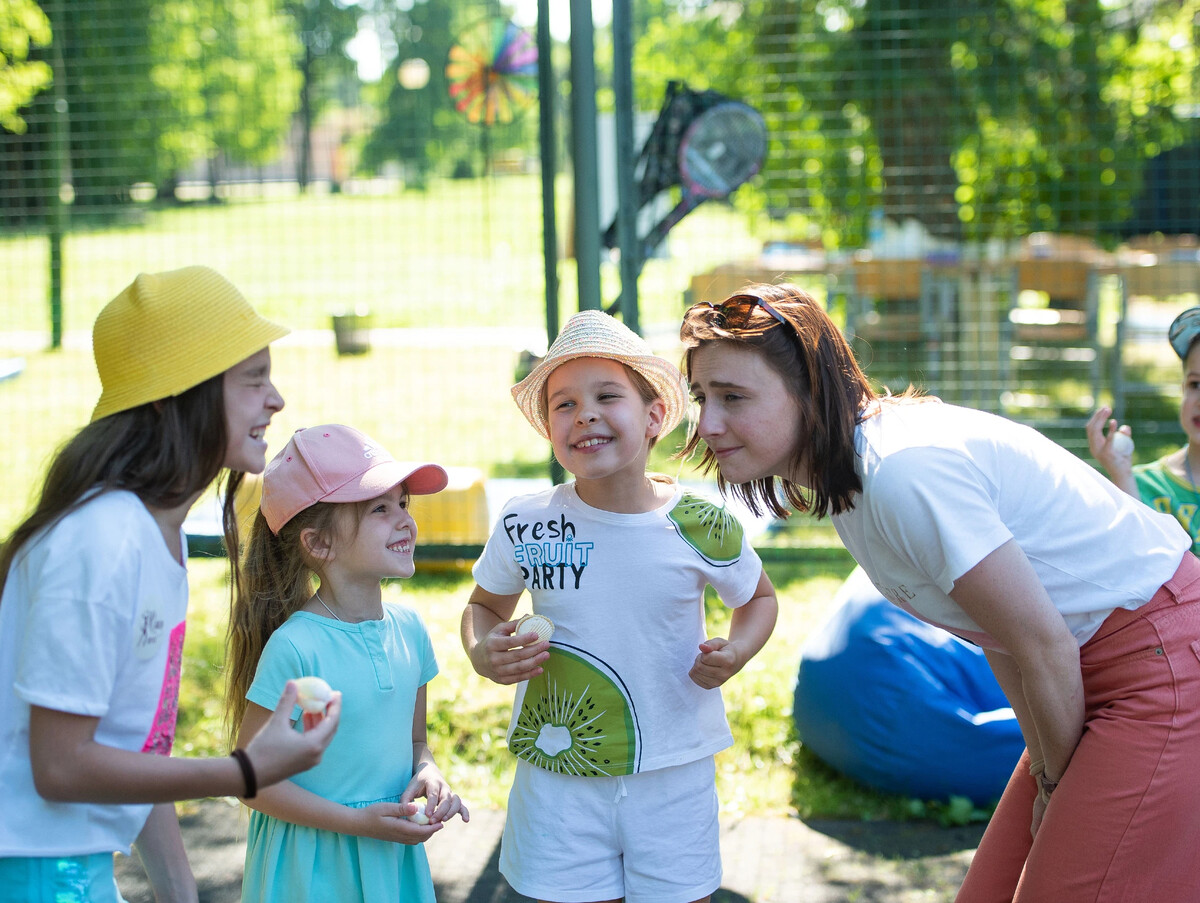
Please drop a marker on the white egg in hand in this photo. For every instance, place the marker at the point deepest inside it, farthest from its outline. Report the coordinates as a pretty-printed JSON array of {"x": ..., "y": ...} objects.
[
  {"x": 1122, "y": 444},
  {"x": 419, "y": 817},
  {"x": 314, "y": 694}
]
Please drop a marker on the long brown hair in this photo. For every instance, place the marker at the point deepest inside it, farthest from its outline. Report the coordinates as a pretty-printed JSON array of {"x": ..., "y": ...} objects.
[
  {"x": 818, "y": 367},
  {"x": 164, "y": 452},
  {"x": 275, "y": 579}
]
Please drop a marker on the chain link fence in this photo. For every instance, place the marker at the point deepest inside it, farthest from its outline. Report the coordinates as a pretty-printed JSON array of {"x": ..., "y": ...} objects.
[{"x": 998, "y": 200}]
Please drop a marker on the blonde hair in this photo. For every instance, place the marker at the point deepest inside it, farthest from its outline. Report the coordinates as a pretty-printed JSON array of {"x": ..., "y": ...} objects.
[{"x": 276, "y": 578}]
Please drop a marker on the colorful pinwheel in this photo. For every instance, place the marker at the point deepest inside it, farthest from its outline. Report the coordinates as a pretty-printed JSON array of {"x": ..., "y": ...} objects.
[{"x": 492, "y": 72}]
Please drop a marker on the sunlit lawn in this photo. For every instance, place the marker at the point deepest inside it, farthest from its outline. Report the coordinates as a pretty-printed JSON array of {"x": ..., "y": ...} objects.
[
  {"x": 434, "y": 258},
  {"x": 442, "y": 259}
]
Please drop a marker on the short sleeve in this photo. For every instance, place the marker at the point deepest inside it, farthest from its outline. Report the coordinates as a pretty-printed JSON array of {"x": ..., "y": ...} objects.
[
  {"x": 76, "y": 676},
  {"x": 80, "y": 625},
  {"x": 497, "y": 569},
  {"x": 935, "y": 509},
  {"x": 280, "y": 662},
  {"x": 736, "y": 585},
  {"x": 425, "y": 653}
]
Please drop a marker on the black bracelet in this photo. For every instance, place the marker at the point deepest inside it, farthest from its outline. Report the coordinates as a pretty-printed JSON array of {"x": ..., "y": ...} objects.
[{"x": 247, "y": 773}]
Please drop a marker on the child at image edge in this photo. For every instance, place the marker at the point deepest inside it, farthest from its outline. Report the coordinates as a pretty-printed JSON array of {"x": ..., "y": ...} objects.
[
  {"x": 335, "y": 506},
  {"x": 95, "y": 595},
  {"x": 618, "y": 717}
]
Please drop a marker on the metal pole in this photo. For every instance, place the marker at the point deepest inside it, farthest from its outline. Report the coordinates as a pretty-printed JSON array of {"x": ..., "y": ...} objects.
[
  {"x": 546, "y": 144},
  {"x": 627, "y": 241},
  {"x": 59, "y": 132},
  {"x": 583, "y": 153}
]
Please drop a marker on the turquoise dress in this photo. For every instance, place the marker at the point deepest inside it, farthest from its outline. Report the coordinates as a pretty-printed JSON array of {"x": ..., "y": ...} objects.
[{"x": 378, "y": 666}]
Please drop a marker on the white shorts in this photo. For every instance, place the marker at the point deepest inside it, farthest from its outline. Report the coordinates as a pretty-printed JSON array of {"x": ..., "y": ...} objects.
[{"x": 647, "y": 838}]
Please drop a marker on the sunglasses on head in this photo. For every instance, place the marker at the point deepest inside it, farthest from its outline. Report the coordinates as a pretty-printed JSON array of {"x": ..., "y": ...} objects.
[{"x": 736, "y": 312}]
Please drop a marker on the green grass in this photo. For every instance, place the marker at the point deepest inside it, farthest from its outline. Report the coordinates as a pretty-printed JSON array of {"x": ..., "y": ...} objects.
[
  {"x": 407, "y": 398},
  {"x": 439, "y": 258},
  {"x": 473, "y": 423}
]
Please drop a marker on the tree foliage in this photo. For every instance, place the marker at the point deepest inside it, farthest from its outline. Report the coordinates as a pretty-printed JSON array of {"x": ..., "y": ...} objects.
[
  {"x": 980, "y": 118},
  {"x": 324, "y": 28},
  {"x": 146, "y": 88},
  {"x": 421, "y": 127},
  {"x": 98, "y": 110},
  {"x": 226, "y": 75},
  {"x": 22, "y": 23}
]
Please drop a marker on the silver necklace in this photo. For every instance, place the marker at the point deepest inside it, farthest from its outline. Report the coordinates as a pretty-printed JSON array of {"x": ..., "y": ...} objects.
[{"x": 332, "y": 613}]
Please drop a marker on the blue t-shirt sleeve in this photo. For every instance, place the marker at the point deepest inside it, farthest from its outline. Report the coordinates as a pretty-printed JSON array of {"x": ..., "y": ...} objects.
[
  {"x": 424, "y": 645},
  {"x": 279, "y": 663}
]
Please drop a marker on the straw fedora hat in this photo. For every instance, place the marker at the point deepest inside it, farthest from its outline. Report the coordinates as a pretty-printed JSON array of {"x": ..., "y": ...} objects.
[
  {"x": 168, "y": 332},
  {"x": 591, "y": 333}
]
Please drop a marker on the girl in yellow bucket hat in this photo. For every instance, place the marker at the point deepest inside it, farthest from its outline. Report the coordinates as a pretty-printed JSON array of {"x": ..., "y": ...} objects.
[{"x": 94, "y": 597}]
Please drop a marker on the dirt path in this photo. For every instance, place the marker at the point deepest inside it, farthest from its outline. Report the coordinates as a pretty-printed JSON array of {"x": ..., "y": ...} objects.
[{"x": 766, "y": 860}]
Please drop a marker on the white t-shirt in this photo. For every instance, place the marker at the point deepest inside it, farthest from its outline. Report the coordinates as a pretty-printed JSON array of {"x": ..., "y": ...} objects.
[
  {"x": 626, "y": 595},
  {"x": 945, "y": 486},
  {"x": 91, "y": 623}
]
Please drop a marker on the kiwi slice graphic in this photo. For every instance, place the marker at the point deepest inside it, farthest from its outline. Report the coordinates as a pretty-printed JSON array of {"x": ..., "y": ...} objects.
[
  {"x": 577, "y": 718},
  {"x": 710, "y": 530}
]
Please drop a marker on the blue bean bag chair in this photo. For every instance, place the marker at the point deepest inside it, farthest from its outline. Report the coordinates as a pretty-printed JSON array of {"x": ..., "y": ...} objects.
[{"x": 901, "y": 705}]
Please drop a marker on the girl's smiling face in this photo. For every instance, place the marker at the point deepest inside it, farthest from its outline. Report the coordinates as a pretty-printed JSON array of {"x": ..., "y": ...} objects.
[
  {"x": 251, "y": 400},
  {"x": 748, "y": 418},
  {"x": 380, "y": 544}
]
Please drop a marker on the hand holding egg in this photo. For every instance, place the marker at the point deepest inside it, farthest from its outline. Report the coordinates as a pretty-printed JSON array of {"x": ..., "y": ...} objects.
[
  {"x": 419, "y": 817},
  {"x": 1122, "y": 444}
]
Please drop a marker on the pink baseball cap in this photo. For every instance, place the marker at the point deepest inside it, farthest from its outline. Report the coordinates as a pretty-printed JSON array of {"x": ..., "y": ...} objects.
[{"x": 335, "y": 463}]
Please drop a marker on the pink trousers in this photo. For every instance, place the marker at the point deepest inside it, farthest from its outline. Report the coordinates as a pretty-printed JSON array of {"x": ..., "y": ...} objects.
[{"x": 1124, "y": 823}]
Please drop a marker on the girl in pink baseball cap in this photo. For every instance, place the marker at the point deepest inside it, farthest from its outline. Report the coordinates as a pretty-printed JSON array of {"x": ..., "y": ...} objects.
[{"x": 333, "y": 523}]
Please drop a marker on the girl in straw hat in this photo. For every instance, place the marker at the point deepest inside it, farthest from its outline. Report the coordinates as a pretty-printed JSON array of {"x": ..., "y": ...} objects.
[
  {"x": 95, "y": 592},
  {"x": 617, "y": 718},
  {"x": 335, "y": 506},
  {"x": 1086, "y": 601}
]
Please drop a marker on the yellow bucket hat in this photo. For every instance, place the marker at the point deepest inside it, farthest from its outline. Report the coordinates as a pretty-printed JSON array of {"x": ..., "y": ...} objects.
[
  {"x": 592, "y": 333},
  {"x": 168, "y": 332}
]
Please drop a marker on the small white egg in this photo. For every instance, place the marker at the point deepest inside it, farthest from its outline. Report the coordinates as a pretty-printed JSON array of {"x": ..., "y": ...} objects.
[
  {"x": 1122, "y": 444},
  {"x": 419, "y": 817},
  {"x": 314, "y": 694}
]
